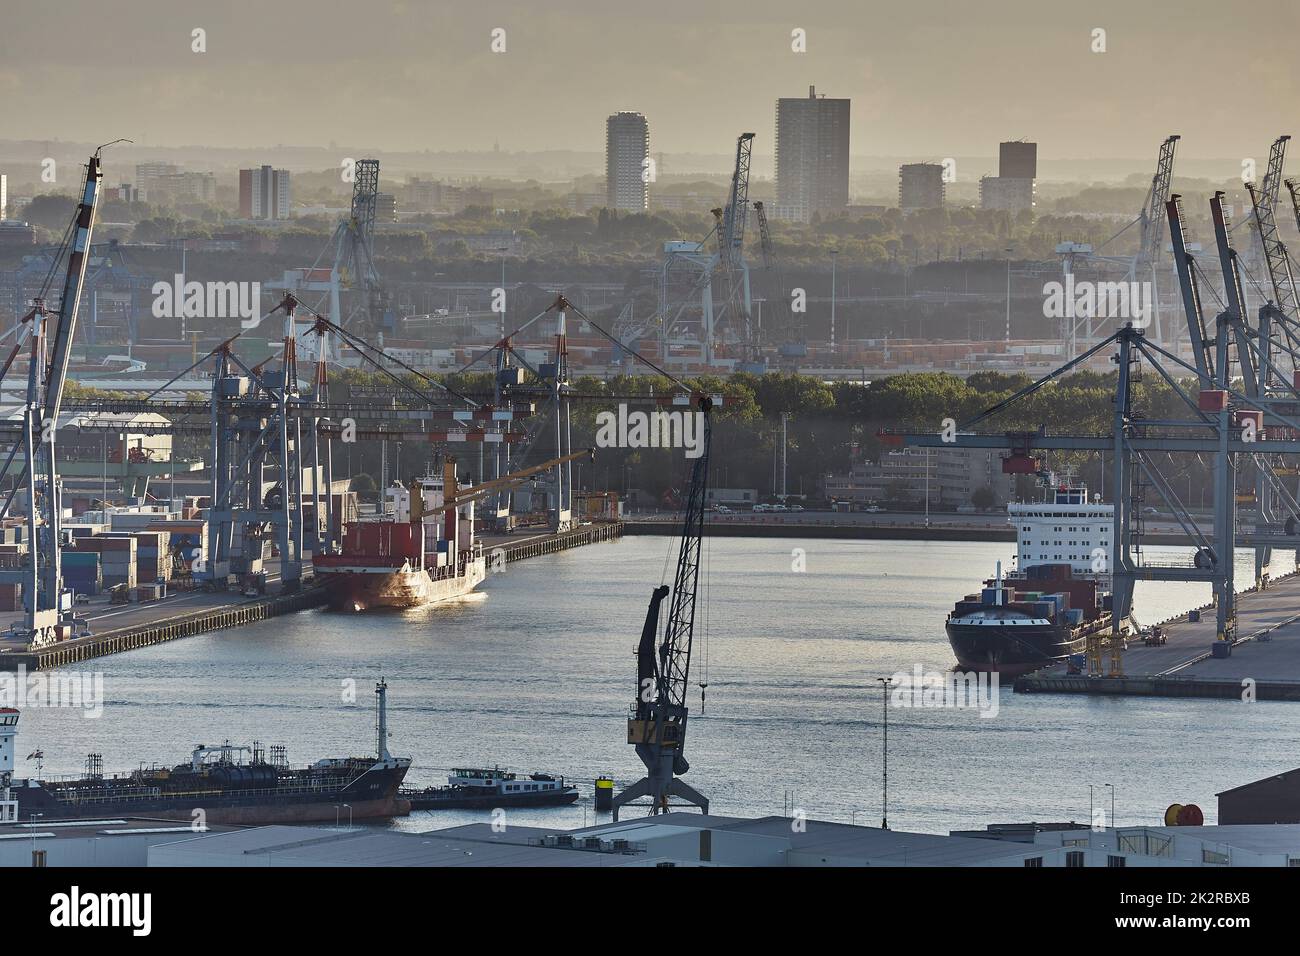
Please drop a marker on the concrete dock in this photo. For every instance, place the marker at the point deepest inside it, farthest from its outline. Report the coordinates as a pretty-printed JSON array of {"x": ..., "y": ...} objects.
[
  {"x": 1264, "y": 663},
  {"x": 123, "y": 627}
]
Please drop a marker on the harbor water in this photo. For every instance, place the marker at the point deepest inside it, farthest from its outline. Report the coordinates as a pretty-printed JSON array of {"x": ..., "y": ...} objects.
[{"x": 536, "y": 673}]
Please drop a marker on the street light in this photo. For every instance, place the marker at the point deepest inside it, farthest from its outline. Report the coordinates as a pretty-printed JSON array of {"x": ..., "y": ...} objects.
[
  {"x": 503, "y": 250},
  {"x": 1010, "y": 249},
  {"x": 1112, "y": 804},
  {"x": 834, "y": 255},
  {"x": 885, "y": 684}
]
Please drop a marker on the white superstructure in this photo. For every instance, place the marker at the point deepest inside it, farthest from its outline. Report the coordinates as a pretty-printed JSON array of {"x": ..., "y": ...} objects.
[{"x": 1066, "y": 528}]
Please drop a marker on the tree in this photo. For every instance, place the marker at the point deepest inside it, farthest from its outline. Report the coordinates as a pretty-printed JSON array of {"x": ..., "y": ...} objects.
[
  {"x": 984, "y": 498},
  {"x": 51, "y": 211}
]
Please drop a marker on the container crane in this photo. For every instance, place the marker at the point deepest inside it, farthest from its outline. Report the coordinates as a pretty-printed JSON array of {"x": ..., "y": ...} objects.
[
  {"x": 794, "y": 345},
  {"x": 656, "y": 725},
  {"x": 731, "y": 256},
  {"x": 52, "y": 331}
]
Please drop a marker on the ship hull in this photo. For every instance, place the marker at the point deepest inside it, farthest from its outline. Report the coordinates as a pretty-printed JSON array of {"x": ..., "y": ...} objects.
[
  {"x": 365, "y": 590},
  {"x": 1015, "y": 649},
  {"x": 372, "y": 795},
  {"x": 442, "y": 799}
]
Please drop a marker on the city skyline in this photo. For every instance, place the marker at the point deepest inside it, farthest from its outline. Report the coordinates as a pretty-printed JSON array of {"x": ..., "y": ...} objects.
[{"x": 427, "y": 83}]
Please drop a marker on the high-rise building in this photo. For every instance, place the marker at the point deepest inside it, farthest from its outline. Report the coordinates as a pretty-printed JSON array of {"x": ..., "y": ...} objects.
[
  {"x": 812, "y": 155},
  {"x": 158, "y": 182},
  {"x": 1006, "y": 193},
  {"x": 920, "y": 186},
  {"x": 149, "y": 175},
  {"x": 1018, "y": 160},
  {"x": 627, "y": 146},
  {"x": 1012, "y": 189},
  {"x": 264, "y": 193}
]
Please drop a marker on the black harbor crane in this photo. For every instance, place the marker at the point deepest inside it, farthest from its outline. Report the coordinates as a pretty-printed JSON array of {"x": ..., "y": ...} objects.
[{"x": 656, "y": 725}]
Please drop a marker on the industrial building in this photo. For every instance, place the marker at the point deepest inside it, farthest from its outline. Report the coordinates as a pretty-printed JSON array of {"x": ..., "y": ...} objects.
[
  {"x": 120, "y": 841},
  {"x": 695, "y": 839},
  {"x": 920, "y": 186},
  {"x": 264, "y": 193},
  {"x": 812, "y": 156},
  {"x": 4, "y": 195},
  {"x": 627, "y": 147},
  {"x": 950, "y": 477},
  {"x": 1271, "y": 800}
]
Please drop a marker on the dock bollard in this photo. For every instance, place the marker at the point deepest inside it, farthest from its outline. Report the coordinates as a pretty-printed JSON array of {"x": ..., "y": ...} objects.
[{"x": 604, "y": 794}]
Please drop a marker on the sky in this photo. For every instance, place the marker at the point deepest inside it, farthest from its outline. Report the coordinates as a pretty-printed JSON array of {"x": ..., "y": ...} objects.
[{"x": 927, "y": 79}]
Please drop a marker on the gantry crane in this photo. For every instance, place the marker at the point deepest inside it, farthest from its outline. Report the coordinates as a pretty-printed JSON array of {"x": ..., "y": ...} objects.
[
  {"x": 354, "y": 249},
  {"x": 1263, "y": 199},
  {"x": 795, "y": 345},
  {"x": 728, "y": 262},
  {"x": 656, "y": 725},
  {"x": 1141, "y": 266},
  {"x": 51, "y": 335}
]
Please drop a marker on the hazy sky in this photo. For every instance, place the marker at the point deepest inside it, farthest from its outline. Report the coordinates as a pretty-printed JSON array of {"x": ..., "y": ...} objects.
[{"x": 933, "y": 78}]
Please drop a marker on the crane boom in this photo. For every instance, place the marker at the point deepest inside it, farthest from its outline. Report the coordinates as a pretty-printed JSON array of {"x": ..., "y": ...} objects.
[
  {"x": 45, "y": 385},
  {"x": 1202, "y": 343},
  {"x": 1157, "y": 197},
  {"x": 514, "y": 479},
  {"x": 656, "y": 725}
]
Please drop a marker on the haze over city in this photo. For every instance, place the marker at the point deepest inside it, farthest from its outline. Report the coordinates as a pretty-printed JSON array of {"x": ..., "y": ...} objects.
[{"x": 938, "y": 79}]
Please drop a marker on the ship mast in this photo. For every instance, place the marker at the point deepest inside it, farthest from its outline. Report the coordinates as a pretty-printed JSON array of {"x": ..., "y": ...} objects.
[{"x": 381, "y": 720}]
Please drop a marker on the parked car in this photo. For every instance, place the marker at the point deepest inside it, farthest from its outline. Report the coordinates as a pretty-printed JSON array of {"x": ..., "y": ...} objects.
[
  {"x": 781, "y": 508},
  {"x": 796, "y": 507},
  {"x": 762, "y": 509},
  {"x": 724, "y": 510},
  {"x": 873, "y": 509}
]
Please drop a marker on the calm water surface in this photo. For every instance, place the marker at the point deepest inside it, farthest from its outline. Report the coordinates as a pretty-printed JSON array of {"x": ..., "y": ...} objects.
[{"x": 536, "y": 673}]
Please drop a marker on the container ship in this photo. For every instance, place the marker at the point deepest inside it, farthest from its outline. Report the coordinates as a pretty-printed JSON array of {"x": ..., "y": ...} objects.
[
  {"x": 489, "y": 789},
  {"x": 227, "y": 784},
  {"x": 423, "y": 553},
  {"x": 1058, "y": 594}
]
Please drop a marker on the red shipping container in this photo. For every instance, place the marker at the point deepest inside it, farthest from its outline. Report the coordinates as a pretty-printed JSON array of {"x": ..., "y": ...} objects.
[{"x": 1212, "y": 400}]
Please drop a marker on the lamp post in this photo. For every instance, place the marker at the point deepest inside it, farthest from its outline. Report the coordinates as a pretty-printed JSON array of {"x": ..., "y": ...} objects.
[
  {"x": 834, "y": 255},
  {"x": 1112, "y": 804},
  {"x": 503, "y": 250},
  {"x": 1009, "y": 251},
  {"x": 885, "y": 684}
]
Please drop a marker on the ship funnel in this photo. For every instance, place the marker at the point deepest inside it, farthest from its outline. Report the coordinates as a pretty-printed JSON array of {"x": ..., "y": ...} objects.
[
  {"x": 416, "y": 499},
  {"x": 449, "y": 487}
]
